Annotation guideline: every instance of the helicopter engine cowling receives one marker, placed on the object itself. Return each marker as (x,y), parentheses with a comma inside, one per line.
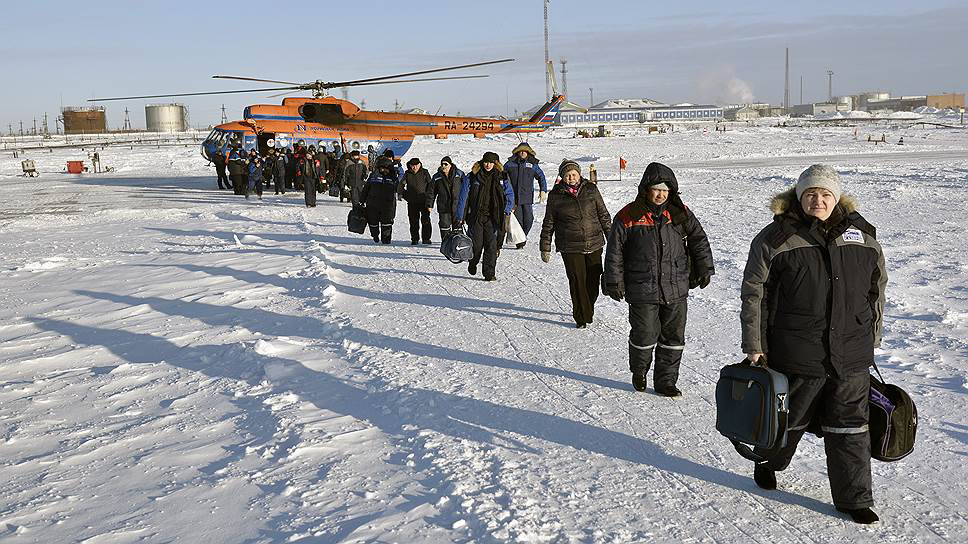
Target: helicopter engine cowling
(328,114)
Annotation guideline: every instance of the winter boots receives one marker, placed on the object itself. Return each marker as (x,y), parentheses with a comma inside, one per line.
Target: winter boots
(864,516)
(639,380)
(764,477)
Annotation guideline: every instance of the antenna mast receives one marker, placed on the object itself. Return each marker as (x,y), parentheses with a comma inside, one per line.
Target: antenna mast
(786,82)
(564,77)
(547,56)
(830,85)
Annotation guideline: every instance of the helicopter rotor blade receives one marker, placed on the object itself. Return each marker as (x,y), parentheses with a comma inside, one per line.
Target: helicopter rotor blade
(421,72)
(283,94)
(256,79)
(409,80)
(195,94)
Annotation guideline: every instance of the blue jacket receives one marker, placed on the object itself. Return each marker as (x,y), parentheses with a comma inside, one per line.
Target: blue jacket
(255,170)
(521,174)
(469,197)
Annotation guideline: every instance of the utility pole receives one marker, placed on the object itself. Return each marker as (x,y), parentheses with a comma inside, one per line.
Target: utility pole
(547,56)
(591,97)
(127,121)
(34,132)
(10,128)
(224,118)
(564,77)
(801,89)
(830,85)
(46,129)
(21,128)
(345,91)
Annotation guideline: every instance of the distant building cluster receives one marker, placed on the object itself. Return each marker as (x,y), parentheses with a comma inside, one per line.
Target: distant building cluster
(876,103)
(638,111)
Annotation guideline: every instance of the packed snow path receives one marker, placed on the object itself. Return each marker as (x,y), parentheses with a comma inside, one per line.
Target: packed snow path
(179,365)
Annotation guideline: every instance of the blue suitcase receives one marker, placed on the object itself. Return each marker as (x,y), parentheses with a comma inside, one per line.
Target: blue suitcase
(752,408)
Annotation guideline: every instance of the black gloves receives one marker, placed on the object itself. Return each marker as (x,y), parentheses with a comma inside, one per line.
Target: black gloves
(699,281)
(614,291)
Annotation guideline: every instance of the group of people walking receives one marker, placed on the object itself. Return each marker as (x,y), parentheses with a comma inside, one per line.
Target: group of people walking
(300,168)
(812,296)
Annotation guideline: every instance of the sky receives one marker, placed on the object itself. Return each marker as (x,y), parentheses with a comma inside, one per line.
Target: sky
(54,53)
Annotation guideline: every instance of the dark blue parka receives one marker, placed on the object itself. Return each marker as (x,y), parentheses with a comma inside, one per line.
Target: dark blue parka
(521,175)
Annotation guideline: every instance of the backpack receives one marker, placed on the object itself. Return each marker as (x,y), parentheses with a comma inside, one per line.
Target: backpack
(893,420)
(752,407)
(457,247)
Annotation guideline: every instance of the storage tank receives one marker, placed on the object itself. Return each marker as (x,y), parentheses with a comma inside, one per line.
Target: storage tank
(84,120)
(166,118)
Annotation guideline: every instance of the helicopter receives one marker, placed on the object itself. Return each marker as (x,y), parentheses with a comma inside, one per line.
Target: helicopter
(323,120)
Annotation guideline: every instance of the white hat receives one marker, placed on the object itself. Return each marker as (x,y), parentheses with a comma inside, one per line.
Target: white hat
(822,176)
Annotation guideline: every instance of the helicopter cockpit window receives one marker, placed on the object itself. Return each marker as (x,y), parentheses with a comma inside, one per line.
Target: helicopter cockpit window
(356,145)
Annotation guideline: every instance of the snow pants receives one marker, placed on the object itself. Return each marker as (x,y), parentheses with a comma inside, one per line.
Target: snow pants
(841,406)
(584,271)
(660,328)
(419,221)
(223,180)
(484,234)
(525,215)
(237,184)
(309,191)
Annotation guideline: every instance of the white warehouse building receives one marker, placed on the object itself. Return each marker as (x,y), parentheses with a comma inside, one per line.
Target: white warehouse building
(635,111)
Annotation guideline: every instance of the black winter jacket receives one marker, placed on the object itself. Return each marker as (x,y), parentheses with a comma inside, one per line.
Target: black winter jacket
(445,190)
(414,187)
(579,222)
(653,252)
(380,197)
(813,291)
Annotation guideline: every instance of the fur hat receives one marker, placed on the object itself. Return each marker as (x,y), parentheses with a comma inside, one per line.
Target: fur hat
(567,165)
(490,156)
(412,162)
(821,176)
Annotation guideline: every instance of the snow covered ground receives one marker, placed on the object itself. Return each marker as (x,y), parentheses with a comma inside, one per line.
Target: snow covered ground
(180,365)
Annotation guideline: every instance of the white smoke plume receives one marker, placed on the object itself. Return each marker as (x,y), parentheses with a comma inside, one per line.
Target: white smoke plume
(723,87)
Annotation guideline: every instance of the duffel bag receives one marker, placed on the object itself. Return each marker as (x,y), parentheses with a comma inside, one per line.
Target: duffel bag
(457,247)
(752,407)
(356,220)
(334,190)
(893,420)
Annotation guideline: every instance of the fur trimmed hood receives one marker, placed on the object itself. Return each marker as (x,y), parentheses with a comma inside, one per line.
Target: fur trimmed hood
(787,201)
(477,167)
(523,146)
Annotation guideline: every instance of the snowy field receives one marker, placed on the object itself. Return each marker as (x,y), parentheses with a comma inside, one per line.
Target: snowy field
(180,365)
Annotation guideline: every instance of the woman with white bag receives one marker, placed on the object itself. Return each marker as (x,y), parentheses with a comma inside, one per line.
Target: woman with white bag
(579,222)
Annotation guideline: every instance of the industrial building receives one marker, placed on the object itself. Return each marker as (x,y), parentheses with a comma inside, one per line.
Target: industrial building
(84,120)
(166,118)
(635,111)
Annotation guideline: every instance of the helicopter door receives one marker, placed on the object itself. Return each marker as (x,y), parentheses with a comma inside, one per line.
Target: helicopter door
(266,141)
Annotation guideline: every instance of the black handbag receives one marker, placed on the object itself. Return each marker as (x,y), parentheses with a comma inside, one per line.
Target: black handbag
(893,420)
(356,220)
(752,407)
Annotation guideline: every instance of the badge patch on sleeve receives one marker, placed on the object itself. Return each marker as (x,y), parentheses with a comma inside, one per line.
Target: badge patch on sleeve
(853,235)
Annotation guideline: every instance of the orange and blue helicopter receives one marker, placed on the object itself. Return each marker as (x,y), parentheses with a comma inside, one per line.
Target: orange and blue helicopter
(324,120)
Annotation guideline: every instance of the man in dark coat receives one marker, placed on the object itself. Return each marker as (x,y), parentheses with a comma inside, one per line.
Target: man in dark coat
(579,222)
(813,303)
(323,174)
(236,164)
(371,156)
(413,188)
(354,176)
(445,190)
(486,200)
(379,195)
(218,159)
(291,167)
(306,176)
(657,251)
(279,164)
(522,170)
